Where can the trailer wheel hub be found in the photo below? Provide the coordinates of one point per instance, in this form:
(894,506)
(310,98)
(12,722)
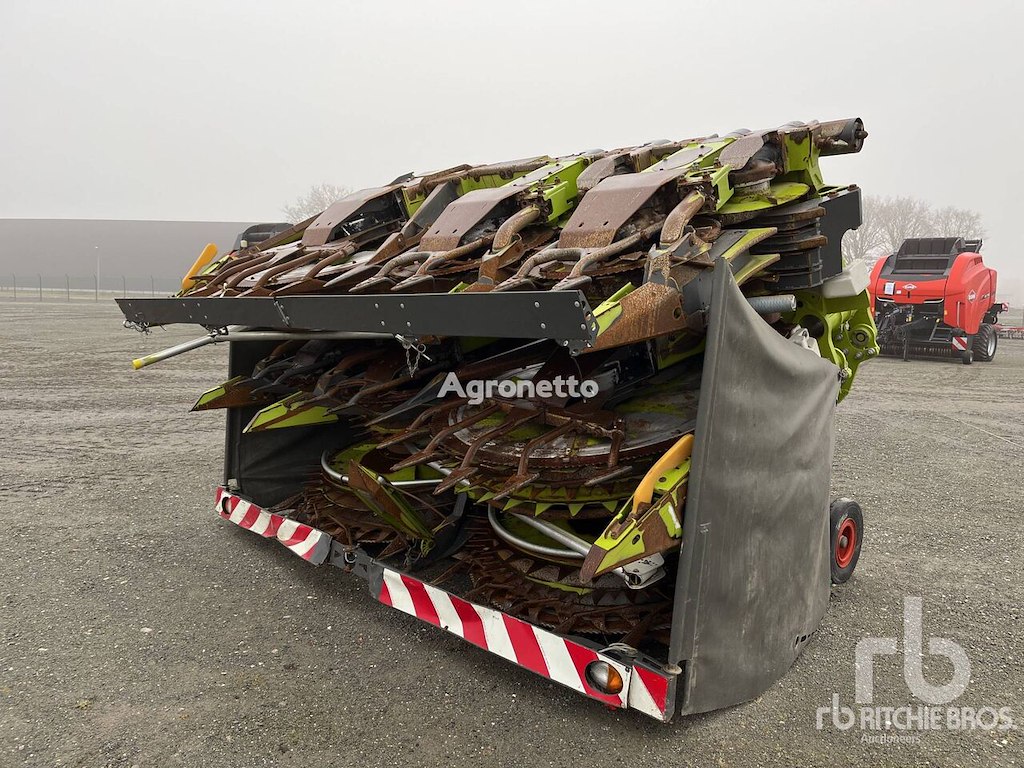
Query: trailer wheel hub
(846,544)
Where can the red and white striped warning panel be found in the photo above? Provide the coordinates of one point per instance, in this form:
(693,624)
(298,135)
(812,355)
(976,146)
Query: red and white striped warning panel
(960,343)
(536,649)
(306,542)
(549,655)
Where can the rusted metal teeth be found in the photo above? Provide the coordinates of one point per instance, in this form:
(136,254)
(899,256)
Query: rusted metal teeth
(421,424)
(456,477)
(552,595)
(411,283)
(606,477)
(368,286)
(515,483)
(523,477)
(548,255)
(591,258)
(514,284)
(573,283)
(351,276)
(431,449)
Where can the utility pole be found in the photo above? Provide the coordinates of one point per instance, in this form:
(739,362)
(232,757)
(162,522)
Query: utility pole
(40,285)
(15,278)
(96,286)
(124,287)
(67,286)
(152,286)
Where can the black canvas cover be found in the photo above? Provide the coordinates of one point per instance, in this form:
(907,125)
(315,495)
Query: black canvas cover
(753,579)
(269,467)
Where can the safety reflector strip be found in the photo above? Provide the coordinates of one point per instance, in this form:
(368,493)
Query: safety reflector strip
(547,654)
(304,541)
(520,642)
(648,692)
(960,343)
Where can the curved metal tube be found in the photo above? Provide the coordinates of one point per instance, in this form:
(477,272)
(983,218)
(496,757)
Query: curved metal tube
(229,270)
(341,254)
(401,260)
(542,257)
(680,216)
(381,276)
(634,578)
(229,266)
(527,546)
(343,479)
(601,254)
(254,268)
(300,260)
(513,225)
(451,255)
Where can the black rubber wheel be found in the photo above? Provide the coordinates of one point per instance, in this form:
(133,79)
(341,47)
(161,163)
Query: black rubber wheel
(967,357)
(985,342)
(846,533)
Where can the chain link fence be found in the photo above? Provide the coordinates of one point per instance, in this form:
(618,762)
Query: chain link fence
(68,288)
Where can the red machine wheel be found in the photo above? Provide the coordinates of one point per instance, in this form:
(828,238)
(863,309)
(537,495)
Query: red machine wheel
(846,536)
(985,342)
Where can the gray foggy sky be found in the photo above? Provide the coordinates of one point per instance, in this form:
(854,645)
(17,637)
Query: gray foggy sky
(226,111)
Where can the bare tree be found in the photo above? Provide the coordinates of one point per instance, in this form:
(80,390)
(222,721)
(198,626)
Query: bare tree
(888,221)
(900,218)
(867,241)
(956,222)
(317,200)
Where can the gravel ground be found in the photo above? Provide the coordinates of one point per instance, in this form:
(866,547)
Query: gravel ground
(137,629)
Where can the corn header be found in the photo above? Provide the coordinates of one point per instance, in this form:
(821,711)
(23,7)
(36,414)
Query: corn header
(578,404)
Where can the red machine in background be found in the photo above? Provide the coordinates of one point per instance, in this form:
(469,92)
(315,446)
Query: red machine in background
(936,298)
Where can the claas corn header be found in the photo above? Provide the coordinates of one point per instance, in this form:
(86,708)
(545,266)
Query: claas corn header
(575,410)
